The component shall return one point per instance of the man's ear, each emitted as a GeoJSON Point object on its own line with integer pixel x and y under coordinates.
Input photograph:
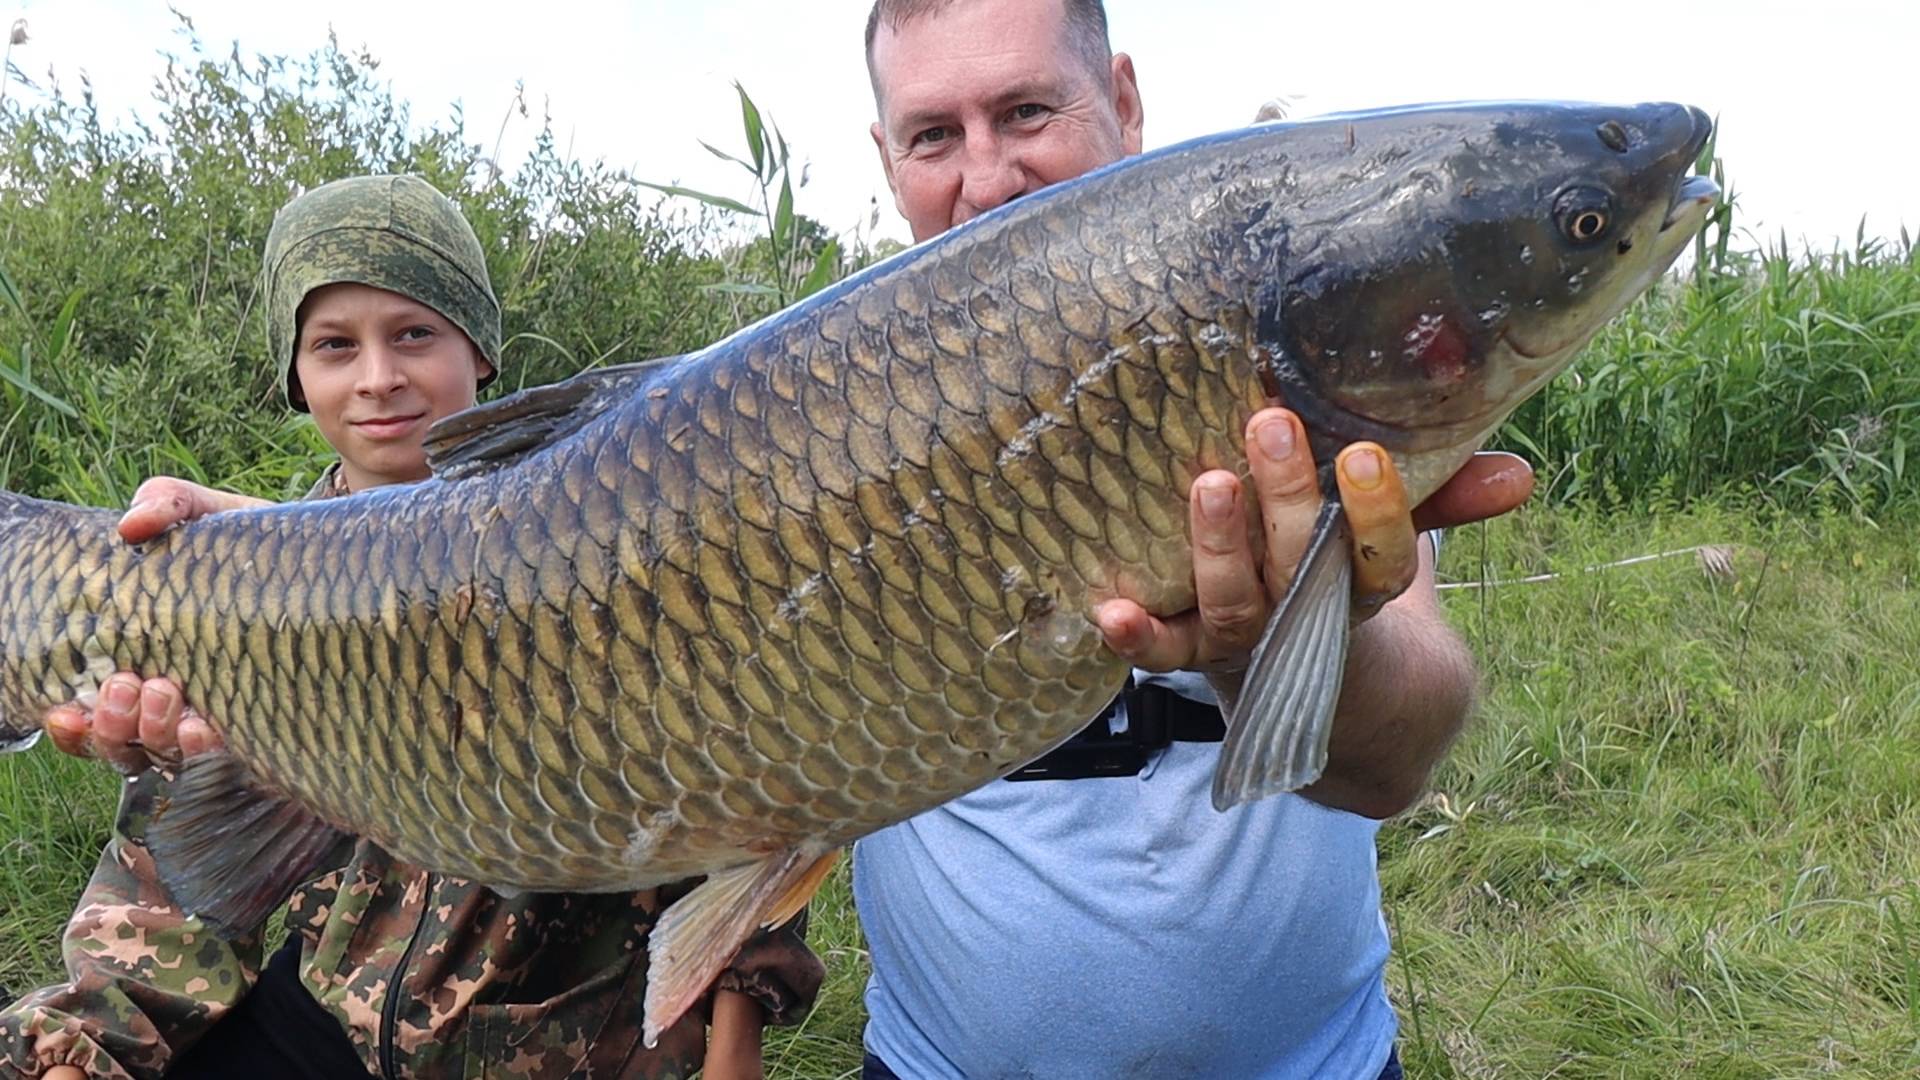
{"type": "Point", "coordinates": [886, 163]}
{"type": "Point", "coordinates": [1126, 102]}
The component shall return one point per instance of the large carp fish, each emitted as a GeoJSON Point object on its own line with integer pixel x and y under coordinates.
{"type": "Point", "coordinates": [722, 614]}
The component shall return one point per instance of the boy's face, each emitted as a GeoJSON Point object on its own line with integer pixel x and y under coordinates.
{"type": "Point", "coordinates": [376, 370]}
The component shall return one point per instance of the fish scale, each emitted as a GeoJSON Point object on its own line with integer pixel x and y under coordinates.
{"type": "Point", "coordinates": [723, 613]}
{"type": "Point", "coordinates": [757, 665]}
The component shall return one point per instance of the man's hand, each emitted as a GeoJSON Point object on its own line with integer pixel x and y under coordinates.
{"type": "Point", "coordinates": [63, 1072]}
{"type": "Point", "coordinates": [131, 723]}
{"type": "Point", "coordinates": [1491, 483]}
{"type": "Point", "coordinates": [1236, 595]}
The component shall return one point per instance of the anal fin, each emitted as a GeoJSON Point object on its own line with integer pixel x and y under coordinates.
{"type": "Point", "coordinates": [698, 936]}
{"type": "Point", "coordinates": [228, 852]}
{"type": "Point", "coordinates": [801, 894]}
{"type": "Point", "coordinates": [1278, 728]}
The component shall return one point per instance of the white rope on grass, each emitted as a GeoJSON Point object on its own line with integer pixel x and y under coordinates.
{"type": "Point", "coordinates": [1715, 559]}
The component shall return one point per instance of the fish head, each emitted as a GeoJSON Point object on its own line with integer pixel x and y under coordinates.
{"type": "Point", "coordinates": [1471, 256]}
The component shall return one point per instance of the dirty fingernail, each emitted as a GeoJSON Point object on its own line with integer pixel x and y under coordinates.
{"type": "Point", "coordinates": [153, 702]}
{"type": "Point", "coordinates": [1276, 439]}
{"type": "Point", "coordinates": [122, 695]}
{"type": "Point", "coordinates": [1216, 502]}
{"type": "Point", "coordinates": [1363, 469]}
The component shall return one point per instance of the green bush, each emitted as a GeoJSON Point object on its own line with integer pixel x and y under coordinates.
{"type": "Point", "coordinates": [1793, 381]}
{"type": "Point", "coordinates": [137, 345]}
{"type": "Point", "coordinates": [133, 344]}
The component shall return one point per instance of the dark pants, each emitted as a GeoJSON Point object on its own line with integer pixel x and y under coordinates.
{"type": "Point", "coordinates": [276, 1030]}
{"type": "Point", "coordinates": [875, 1069]}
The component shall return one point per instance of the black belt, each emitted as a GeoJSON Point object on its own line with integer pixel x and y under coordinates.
{"type": "Point", "coordinates": [1156, 716]}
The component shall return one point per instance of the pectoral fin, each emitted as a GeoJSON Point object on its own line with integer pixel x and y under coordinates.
{"type": "Point", "coordinates": [698, 936]}
{"type": "Point", "coordinates": [1277, 733]}
{"type": "Point", "coordinates": [229, 852]}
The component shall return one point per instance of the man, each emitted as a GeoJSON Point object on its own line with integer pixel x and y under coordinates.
{"type": "Point", "coordinates": [1115, 925]}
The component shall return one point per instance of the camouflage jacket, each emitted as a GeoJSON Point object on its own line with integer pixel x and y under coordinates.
{"type": "Point", "coordinates": [538, 985]}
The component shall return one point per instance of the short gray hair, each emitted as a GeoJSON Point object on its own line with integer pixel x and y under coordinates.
{"type": "Point", "coordinates": [1086, 26]}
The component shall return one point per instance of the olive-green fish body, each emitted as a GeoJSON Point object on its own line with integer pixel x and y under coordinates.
{"type": "Point", "coordinates": [721, 614]}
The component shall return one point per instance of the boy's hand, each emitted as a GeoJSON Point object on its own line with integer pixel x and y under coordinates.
{"type": "Point", "coordinates": [733, 1039]}
{"type": "Point", "coordinates": [163, 502]}
{"type": "Point", "coordinates": [131, 723]}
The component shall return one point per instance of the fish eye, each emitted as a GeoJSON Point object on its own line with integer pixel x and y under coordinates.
{"type": "Point", "coordinates": [1584, 214]}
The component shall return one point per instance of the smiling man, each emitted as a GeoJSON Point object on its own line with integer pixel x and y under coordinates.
{"type": "Point", "coordinates": [1093, 916]}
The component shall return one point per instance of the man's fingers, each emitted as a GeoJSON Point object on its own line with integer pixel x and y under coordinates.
{"type": "Point", "coordinates": [1385, 558]}
{"type": "Point", "coordinates": [1231, 599]}
{"type": "Point", "coordinates": [1488, 485]}
{"type": "Point", "coordinates": [160, 706]}
{"type": "Point", "coordinates": [1287, 490]}
{"type": "Point", "coordinates": [1147, 642]}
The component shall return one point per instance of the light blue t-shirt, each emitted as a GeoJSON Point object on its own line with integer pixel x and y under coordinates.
{"type": "Point", "coordinates": [1120, 927]}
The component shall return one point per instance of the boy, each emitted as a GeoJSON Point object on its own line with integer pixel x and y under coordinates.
{"type": "Point", "coordinates": [382, 320]}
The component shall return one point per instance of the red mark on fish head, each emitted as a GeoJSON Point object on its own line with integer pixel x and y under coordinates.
{"type": "Point", "coordinates": [1440, 347]}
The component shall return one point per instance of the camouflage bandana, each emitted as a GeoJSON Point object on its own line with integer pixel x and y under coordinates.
{"type": "Point", "coordinates": [391, 232]}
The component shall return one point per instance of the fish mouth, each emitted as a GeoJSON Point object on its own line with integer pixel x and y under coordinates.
{"type": "Point", "coordinates": [1692, 193]}
{"type": "Point", "coordinates": [1692, 199]}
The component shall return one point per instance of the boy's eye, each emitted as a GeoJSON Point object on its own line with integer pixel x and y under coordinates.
{"type": "Point", "coordinates": [326, 344]}
{"type": "Point", "coordinates": [417, 333]}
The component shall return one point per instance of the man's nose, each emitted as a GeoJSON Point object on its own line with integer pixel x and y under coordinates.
{"type": "Point", "coordinates": [992, 176]}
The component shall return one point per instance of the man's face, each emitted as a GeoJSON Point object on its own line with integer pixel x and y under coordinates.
{"type": "Point", "coordinates": [988, 100]}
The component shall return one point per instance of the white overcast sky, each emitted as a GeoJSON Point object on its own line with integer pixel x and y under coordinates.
{"type": "Point", "coordinates": [1817, 100]}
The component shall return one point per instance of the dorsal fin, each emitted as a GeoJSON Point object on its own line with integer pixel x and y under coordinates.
{"type": "Point", "coordinates": [499, 433]}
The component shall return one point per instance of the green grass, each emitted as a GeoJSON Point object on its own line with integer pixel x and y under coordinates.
{"type": "Point", "coordinates": [1682, 836]}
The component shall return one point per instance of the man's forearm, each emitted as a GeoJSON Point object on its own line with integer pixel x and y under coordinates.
{"type": "Point", "coordinates": [1409, 687]}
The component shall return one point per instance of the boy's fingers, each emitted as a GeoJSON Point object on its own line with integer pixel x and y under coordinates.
{"type": "Point", "coordinates": [160, 708]}
{"type": "Point", "coordinates": [116, 724]}
{"type": "Point", "coordinates": [197, 736]}
{"type": "Point", "coordinates": [67, 726]}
